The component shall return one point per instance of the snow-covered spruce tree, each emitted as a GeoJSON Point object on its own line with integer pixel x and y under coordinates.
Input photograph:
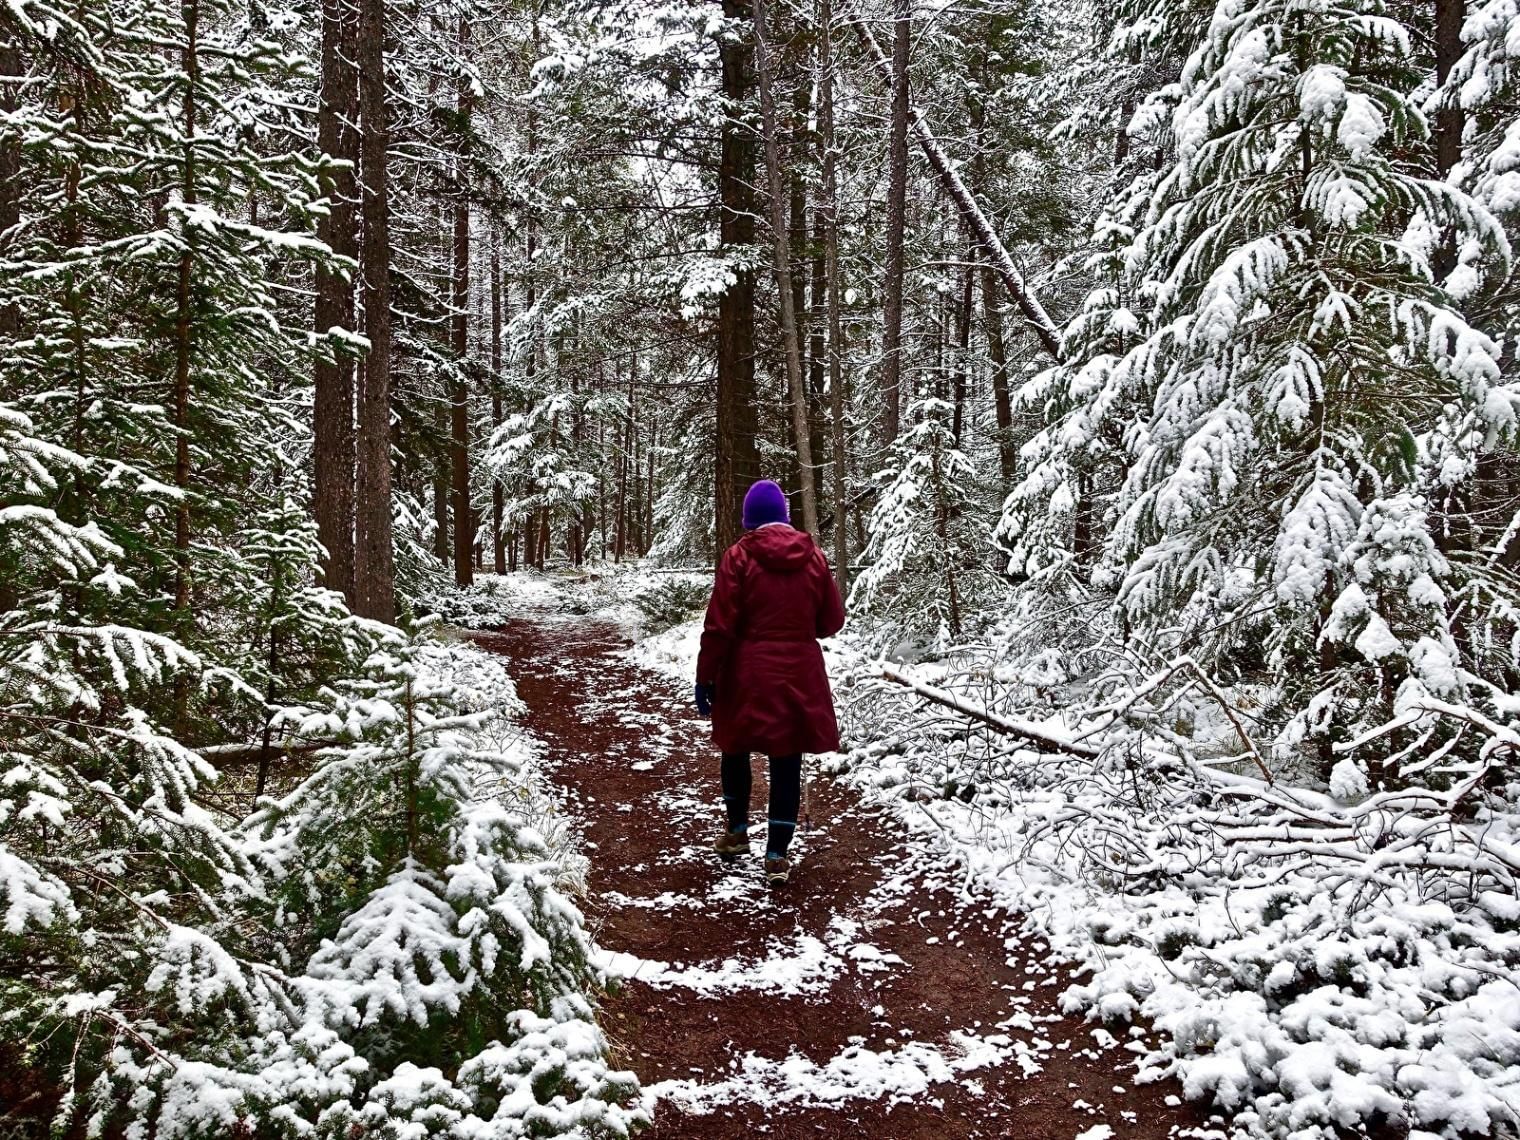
{"type": "Point", "coordinates": [117, 886]}
{"type": "Point", "coordinates": [425, 919]}
{"type": "Point", "coordinates": [133, 308]}
{"type": "Point", "coordinates": [925, 558]}
{"type": "Point", "coordinates": [1286, 395]}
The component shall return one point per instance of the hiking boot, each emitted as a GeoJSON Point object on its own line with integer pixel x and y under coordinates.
{"type": "Point", "coordinates": [776, 872]}
{"type": "Point", "coordinates": [732, 845]}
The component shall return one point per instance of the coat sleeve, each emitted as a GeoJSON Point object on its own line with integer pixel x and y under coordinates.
{"type": "Point", "coordinates": [831, 605]}
{"type": "Point", "coordinates": [721, 628]}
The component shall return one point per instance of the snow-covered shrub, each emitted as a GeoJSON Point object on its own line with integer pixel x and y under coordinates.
{"type": "Point", "coordinates": [389, 946]}
{"type": "Point", "coordinates": [539, 465]}
{"type": "Point", "coordinates": [926, 555]}
{"type": "Point", "coordinates": [671, 600]}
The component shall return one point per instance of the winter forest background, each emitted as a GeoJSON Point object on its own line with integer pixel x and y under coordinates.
{"type": "Point", "coordinates": [1147, 369]}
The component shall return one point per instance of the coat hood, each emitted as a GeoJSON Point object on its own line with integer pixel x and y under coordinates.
{"type": "Point", "coordinates": [780, 547]}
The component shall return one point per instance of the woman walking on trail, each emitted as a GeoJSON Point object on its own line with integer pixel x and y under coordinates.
{"type": "Point", "coordinates": [760, 673]}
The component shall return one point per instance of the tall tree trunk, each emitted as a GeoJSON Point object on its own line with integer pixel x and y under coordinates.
{"type": "Point", "coordinates": [992, 305]}
{"type": "Point", "coordinates": [459, 397]}
{"type": "Point", "coordinates": [963, 343]}
{"type": "Point", "coordinates": [817, 370]}
{"type": "Point", "coordinates": [830, 212]}
{"type": "Point", "coordinates": [1449, 119]}
{"type": "Point", "coordinates": [374, 555]}
{"type": "Point", "coordinates": [333, 399]}
{"type": "Point", "coordinates": [737, 459]}
{"type": "Point", "coordinates": [183, 348]}
{"type": "Point", "coordinates": [897, 216]}
{"type": "Point", "coordinates": [997, 353]}
{"type": "Point", "coordinates": [620, 541]}
{"type": "Point", "coordinates": [498, 315]}
{"type": "Point", "coordinates": [11, 71]}
{"type": "Point", "coordinates": [791, 61]}
{"type": "Point", "coordinates": [782, 245]}
{"type": "Point", "coordinates": [10, 216]}
{"type": "Point", "coordinates": [654, 438]}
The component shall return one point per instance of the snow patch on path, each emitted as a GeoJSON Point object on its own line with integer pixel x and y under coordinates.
{"type": "Point", "coordinates": [858, 1073]}
{"type": "Point", "coordinates": [793, 967]}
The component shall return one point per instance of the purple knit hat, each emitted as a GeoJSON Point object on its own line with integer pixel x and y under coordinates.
{"type": "Point", "coordinates": [765, 502]}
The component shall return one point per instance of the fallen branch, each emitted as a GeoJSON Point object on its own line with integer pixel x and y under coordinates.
{"type": "Point", "coordinates": [1043, 739]}
{"type": "Point", "coordinates": [1002, 261]}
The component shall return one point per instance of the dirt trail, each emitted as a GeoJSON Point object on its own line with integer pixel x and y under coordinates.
{"type": "Point", "coordinates": [872, 996]}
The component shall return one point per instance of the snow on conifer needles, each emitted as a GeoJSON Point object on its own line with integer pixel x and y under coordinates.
{"type": "Point", "coordinates": [394, 917]}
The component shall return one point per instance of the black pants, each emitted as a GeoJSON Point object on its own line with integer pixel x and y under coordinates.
{"type": "Point", "coordinates": [786, 796]}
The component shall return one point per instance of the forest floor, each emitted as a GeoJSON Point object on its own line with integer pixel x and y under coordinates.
{"type": "Point", "coordinates": [874, 995]}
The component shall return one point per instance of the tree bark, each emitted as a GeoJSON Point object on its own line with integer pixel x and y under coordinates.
{"type": "Point", "coordinates": [10, 216]}
{"type": "Point", "coordinates": [374, 555]}
{"type": "Point", "coordinates": [782, 247]}
{"type": "Point", "coordinates": [897, 216]}
{"type": "Point", "coordinates": [498, 494]}
{"type": "Point", "coordinates": [737, 460]}
{"type": "Point", "coordinates": [183, 348]}
{"type": "Point", "coordinates": [11, 70]}
{"type": "Point", "coordinates": [443, 549]}
{"type": "Point", "coordinates": [1002, 398]}
{"type": "Point", "coordinates": [1027, 303]}
{"type": "Point", "coordinates": [830, 213]}
{"type": "Point", "coordinates": [963, 344]}
{"type": "Point", "coordinates": [1449, 119]}
{"type": "Point", "coordinates": [992, 306]}
{"type": "Point", "coordinates": [459, 396]}
{"type": "Point", "coordinates": [333, 441]}
{"type": "Point", "coordinates": [1449, 116]}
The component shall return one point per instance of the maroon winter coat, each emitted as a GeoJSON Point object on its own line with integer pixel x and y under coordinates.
{"type": "Point", "coordinates": [773, 598]}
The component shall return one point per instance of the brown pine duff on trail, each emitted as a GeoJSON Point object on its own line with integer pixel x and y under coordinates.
{"type": "Point", "coordinates": [873, 996]}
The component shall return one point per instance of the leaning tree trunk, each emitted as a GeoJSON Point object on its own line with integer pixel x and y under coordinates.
{"type": "Point", "coordinates": [1018, 290]}
{"type": "Point", "coordinates": [897, 218]}
{"type": "Point", "coordinates": [459, 395]}
{"type": "Point", "coordinates": [374, 555]}
{"type": "Point", "coordinates": [333, 397]}
{"type": "Point", "coordinates": [830, 211]}
{"type": "Point", "coordinates": [782, 247]}
{"type": "Point", "coordinates": [737, 457]}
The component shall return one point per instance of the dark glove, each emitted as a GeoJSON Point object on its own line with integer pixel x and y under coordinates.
{"type": "Point", "coordinates": [705, 694]}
